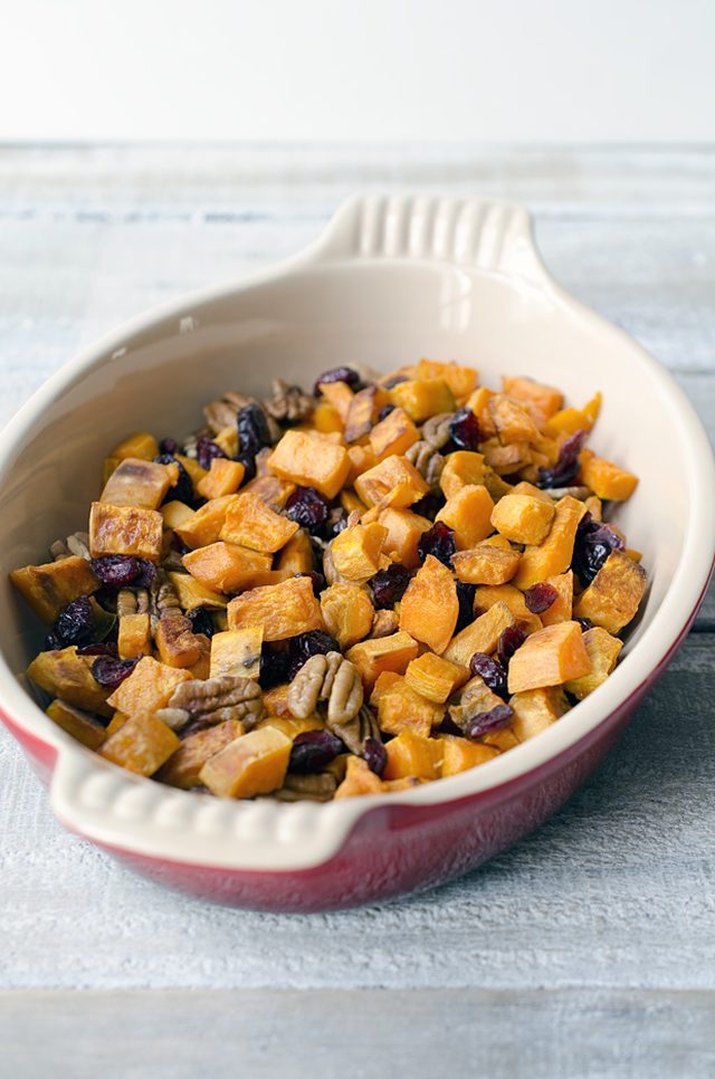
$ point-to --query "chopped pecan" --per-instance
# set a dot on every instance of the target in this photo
(215, 700)
(355, 733)
(319, 787)
(77, 544)
(223, 413)
(428, 461)
(288, 404)
(328, 678)
(436, 430)
(384, 623)
(176, 718)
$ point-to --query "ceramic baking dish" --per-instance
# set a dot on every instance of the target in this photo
(391, 279)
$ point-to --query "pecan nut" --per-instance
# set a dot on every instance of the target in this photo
(214, 700)
(436, 430)
(288, 404)
(330, 678)
(428, 461)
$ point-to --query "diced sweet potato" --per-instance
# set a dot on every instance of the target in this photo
(603, 651)
(429, 608)
(351, 503)
(511, 419)
(224, 478)
(340, 397)
(205, 524)
(135, 482)
(356, 551)
(360, 413)
(141, 745)
(552, 556)
(125, 530)
(570, 420)
(290, 726)
(462, 380)
(423, 397)
(193, 594)
(613, 597)
(486, 564)
(308, 459)
(434, 678)
(273, 491)
(134, 637)
(237, 651)
(537, 709)
(141, 445)
(200, 670)
(223, 567)
(326, 417)
(348, 612)
(399, 709)
(507, 459)
(283, 610)
(176, 514)
(297, 555)
(251, 523)
(539, 400)
(404, 529)
(604, 478)
(393, 482)
(481, 636)
(380, 654)
(50, 587)
(463, 468)
(359, 780)
(194, 469)
(255, 763)
(487, 595)
(523, 519)
(361, 459)
(561, 610)
(227, 439)
(459, 754)
(183, 766)
(554, 655)
(393, 435)
(275, 700)
(148, 688)
(411, 754)
(468, 512)
(503, 739)
(78, 724)
(476, 697)
(64, 674)
(176, 642)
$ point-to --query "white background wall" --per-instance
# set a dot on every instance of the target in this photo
(496, 70)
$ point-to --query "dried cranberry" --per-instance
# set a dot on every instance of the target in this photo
(110, 672)
(207, 450)
(253, 432)
(464, 429)
(249, 467)
(564, 471)
(437, 541)
(338, 374)
(106, 648)
(490, 671)
(448, 726)
(429, 506)
(123, 570)
(593, 544)
(584, 623)
(314, 643)
(308, 508)
(485, 722)
(201, 621)
(510, 639)
(317, 580)
(389, 585)
(385, 412)
(337, 522)
(313, 750)
(74, 625)
(465, 599)
(274, 666)
(183, 489)
(169, 446)
(540, 596)
(375, 755)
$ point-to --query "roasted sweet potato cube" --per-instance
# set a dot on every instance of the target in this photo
(462, 380)
(393, 482)
(524, 488)
(255, 763)
(194, 469)
(393, 435)
(463, 468)
(411, 754)
(78, 724)
(118, 720)
(141, 745)
(359, 416)
(306, 458)
(511, 420)
(506, 459)
(399, 709)
(459, 754)
(356, 551)
(205, 524)
(176, 642)
(359, 780)
(351, 503)
(468, 513)
(478, 402)
(148, 688)
(251, 523)
(476, 697)
(423, 397)
(348, 612)
(539, 400)
(125, 530)
(273, 491)
(134, 637)
(290, 726)
(404, 529)
(561, 610)
(481, 636)
(603, 651)
(224, 478)
(434, 678)
(193, 594)
(227, 439)
(297, 555)
(283, 610)
(340, 397)
(176, 514)
(429, 608)
(201, 669)
(487, 595)
(64, 674)
(604, 478)
(223, 567)
(361, 460)
(537, 709)
(135, 482)
(141, 444)
(503, 739)
(523, 519)
(554, 655)
(486, 564)
(613, 597)
(374, 656)
(50, 587)
(326, 417)
(183, 766)
(553, 555)
(237, 651)
(570, 420)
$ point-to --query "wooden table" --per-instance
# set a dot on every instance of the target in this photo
(589, 949)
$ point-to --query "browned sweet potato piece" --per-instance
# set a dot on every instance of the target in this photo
(141, 445)
(459, 754)
(193, 594)
(463, 468)
(523, 518)
(224, 478)
(486, 564)
(393, 482)
(310, 460)
(374, 656)
(539, 400)
(411, 754)
(561, 610)
(183, 766)
(613, 597)
(176, 642)
(237, 651)
(251, 523)
(64, 674)
(481, 636)
(205, 524)
(554, 554)
(360, 780)
(348, 612)
(49, 588)
(356, 551)
(297, 555)
(361, 409)
(399, 709)
(554, 655)
(290, 726)
(423, 397)
(429, 608)
(404, 529)
(176, 514)
(434, 678)
(125, 530)
(461, 379)
(603, 650)
(148, 687)
(255, 763)
(537, 709)
(141, 745)
(468, 512)
(283, 610)
(487, 595)
(223, 567)
(511, 420)
(606, 479)
(135, 482)
(393, 435)
(80, 725)
(134, 638)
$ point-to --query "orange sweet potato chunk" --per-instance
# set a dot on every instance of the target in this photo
(404, 529)
(561, 610)
(603, 651)
(569, 420)
(249, 522)
(423, 397)
(141, 745)
(283, 610)
(297, 555)
(125, 530)
(486, 564)
(411, 754)
(554, 655)
(468, 513)
(400, 709)
(134, 637)
(205, 524)
(253, 764)
(395, 434)
(486, 596)
(434, 678)
(522, 518)
(540, 401)
(393, 482)
(50, 587)
(552, 556)
(224, 478)
(362, 409)
(80, 725)
(361, 459)
(356, 551)
(148, 688)
(614, 596)
(223, 567)
(604, 478)
(383, 654)
(537, 709)
(459, 754)
(462, 380)
(481, 636)
(348, 612)
(463, 468)
(183, 766)
(310, 460)
(429, 608)
(193, 594)
(64, 674)
(135, 482)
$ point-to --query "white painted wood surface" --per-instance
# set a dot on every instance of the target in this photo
(587, 950)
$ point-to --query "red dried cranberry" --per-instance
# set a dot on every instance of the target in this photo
(564, 471)
(249, 466)
(207, 450)
(253, 432)
(183, 489)
(313, 750)
(429, 506)
(74, 625)
(110, 672)
(385, 412)
(201, 621)
(464, 429)
(540, 596)
(490, 671)
(314, 643)
(106, 648)
(317, 580)
(274, 665)
(375, 755)
(593, 544)
(437, 541)
(338, 374)
(123, 570)
(465, 599)
(308, 508)
(485, 722)
(510, 639)
(389, 585)
(169, 446)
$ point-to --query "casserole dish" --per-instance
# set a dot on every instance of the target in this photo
(391, 279)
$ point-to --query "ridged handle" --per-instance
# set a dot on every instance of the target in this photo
(482, 233)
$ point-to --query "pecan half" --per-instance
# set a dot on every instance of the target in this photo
(428, 461)
(435, 430)
(355, 733)
(223, 412)
(77, 544)
(318, 788)
(330, 678)
(288, 404)
(215, 700)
